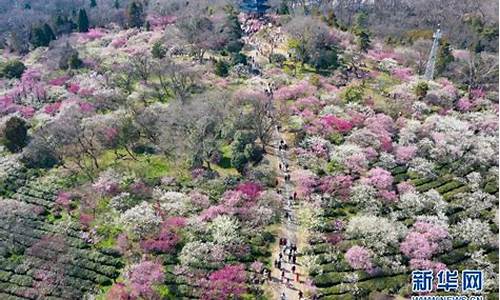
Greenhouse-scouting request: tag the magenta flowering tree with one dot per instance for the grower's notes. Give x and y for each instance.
(159, 22)
(405, 153)
(59, 81)
(199, 200)
(305, 182)
(292, 92)
(383, 127)
(359, 258)
(402, 73)
(331, 123)
(339, 185)
(73, 87)
(380, 178)
(226, 283)
(86, 106)
(250, 190)
(257, 266)
(86, 219)
(424, 240)
(94, 33)
(334, 238)
(119, 291)
(464, 104)
(310, 102)
(165, 242)
(381, 54)
(119, 42)
(142, 277)
(405, 187)
(64, 199)
(52, 108)
(213, 212)
(107, 183)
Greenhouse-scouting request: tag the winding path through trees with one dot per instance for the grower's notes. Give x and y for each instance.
(287, 288)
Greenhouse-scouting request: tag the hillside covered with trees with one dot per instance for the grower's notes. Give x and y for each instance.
(220, 149)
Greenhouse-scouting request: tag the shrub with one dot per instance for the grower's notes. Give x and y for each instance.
(421, 89)
(221, 68)
(158, 50)
(39, 154)
(13, 69)
(353, 93)
(239, 58)
(15, 134)
(277, 58)
(74, 61)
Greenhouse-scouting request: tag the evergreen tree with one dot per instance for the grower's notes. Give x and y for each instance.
(12, 69)
(283, 9)
(444, 56)
(158, 51)
(38, 38)
(363, 40)
(83, 21)
(116, 4)
(49, 33)
(93, 3)
(331, 19)
(15, 135)
(135, 14)
(361, 31)
(74, 61)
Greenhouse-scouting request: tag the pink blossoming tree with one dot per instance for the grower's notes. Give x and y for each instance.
(226, 283)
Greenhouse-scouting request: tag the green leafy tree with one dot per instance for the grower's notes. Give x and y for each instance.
(283, 8)
(135, 14)
(83, 21)
(41, 36)
(158, 51)
(361, 31)
(233, 32)
(221, 68)
(364, 41)
(15, 134)
(421, 89)
(444, 56)
(331, 19)
(353, 93)
(93, 3)
(37, 37)
(13, 69)
(74, 61)
(49, 33)
(244, 149)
